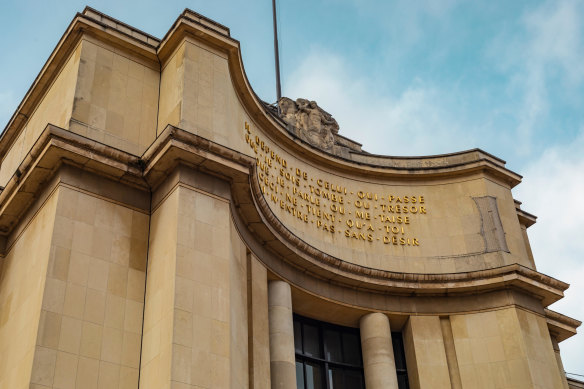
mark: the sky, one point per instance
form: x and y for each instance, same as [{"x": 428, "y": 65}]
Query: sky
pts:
[{"x": 402, "y": 78}]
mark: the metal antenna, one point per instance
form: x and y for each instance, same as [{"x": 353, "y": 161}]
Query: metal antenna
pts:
[{"x": 278, "y": 87}]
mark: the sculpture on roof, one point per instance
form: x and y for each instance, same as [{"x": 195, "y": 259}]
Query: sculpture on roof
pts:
[{"x": 315, "y": 125}]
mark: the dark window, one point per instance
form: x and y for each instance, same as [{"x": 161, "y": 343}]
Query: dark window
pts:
[
  {"x": 400, "y": 360},
  {"x": 329, "y": 356}
]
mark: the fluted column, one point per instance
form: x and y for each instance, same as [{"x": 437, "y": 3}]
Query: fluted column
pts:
[
  {"x": 282, "y": 361},
  {"x": 378, "y": 359}
]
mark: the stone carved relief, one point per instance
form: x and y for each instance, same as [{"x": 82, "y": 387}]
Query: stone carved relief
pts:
[{"x": 314, "y": 124}]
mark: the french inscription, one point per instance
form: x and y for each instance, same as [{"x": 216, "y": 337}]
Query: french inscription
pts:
[{"x": 357, "y": 214}]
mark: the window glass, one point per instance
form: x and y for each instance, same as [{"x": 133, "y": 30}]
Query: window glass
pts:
[
  {"x": 354, "y": 379},
  {"x": 299, "y": 375},
  {"x": 332, "y": 346},
  {"x": 400, "y": 360},
  {"x": 342, "y": 378},
  {"x": 297, "y": 338},
  {"x": 402, "y": 381},
  {"x": 352, "y": 349},
  {"x": 336, "y": 380},
  {"x": 314, "y": 376},
  {"x": 311, "y": 340},
  {"x": 398, "y": 351}
]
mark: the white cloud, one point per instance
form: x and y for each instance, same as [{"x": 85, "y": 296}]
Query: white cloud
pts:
[
  {"x": 556, "y": 29},
  {"x": 546, "y": 50},
  {"x": 553, "y": 189},
  {"x": 414, "y": 122}
]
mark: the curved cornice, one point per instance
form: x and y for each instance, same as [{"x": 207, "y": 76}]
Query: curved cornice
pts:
[
  {"x": 304, "y": 256},
  {"x": 174, "y": 146},
  {"x": 191, "y": 25},
  {"x": 307, "y": 269},
  {"x": 459, "y": 163}
]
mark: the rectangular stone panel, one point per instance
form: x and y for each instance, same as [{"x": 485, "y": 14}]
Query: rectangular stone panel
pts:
[{"x": 91, "y": 318}]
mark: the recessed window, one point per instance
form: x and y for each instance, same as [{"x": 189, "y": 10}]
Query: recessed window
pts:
[
  {"x": 400, "y": 360},
  {"x": 329, "y": 356}
]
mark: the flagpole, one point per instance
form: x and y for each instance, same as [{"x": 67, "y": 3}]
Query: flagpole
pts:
[{"x": 278, "y": 87}]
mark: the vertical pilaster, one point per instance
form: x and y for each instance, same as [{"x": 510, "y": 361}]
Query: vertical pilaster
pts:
[
  {"x": 378, "y": 359},
  {"x": 258, "y": 327},
  {"x": 282, "y": 360},
  {"x": 425, "y": 354},
  {"x": 508, "y": 347},
  {"x": 195, "y": 324},
  {"x": 450, "y": 350},
  {"x": 556, "y": 347}
]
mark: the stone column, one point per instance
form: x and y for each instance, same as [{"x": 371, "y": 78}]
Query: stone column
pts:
[
  {"x": 282, "y": 360},
  {"x": 378, "y": 359}
]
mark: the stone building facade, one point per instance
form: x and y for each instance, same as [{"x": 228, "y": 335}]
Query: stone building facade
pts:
[{"x": 162, "y": 227}]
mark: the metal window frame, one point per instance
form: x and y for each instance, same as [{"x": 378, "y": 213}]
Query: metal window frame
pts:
[
  {"x": 326, "y": 364},
  {"x": 323, "y": 362}
]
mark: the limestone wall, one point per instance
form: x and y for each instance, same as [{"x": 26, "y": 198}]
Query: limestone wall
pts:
[
  {"x": 198, "y": 95},
  {"x": 116, "y": 97},
  {"x": 22, "y": 285},
  {"x": 259, "y": 342},
  {"x": 54, "y": 108},
  {"x": 510, "y": 348},
  {"x": 91, "y": 319},
  {"x": 195, "y": 328}
]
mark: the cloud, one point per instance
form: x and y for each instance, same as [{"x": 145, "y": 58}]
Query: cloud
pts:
[
  {"x": 395, "y": 125},
  {"x": 545, "y": 49},
  {"x": 555, "y": 29},
  {"x": 552, "y": 189}
]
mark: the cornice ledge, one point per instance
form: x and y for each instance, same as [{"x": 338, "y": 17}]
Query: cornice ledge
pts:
[
  {"x": 526, "y": 218},
  {"x": 54, "y": 147},
  {"x": 189, "y": 23},
  {"x": 560, "y": 325},
  {"x": 176, "y": 146},
  {"x": 387, "y": 166},
  {"x": 300, "y": 254}
]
